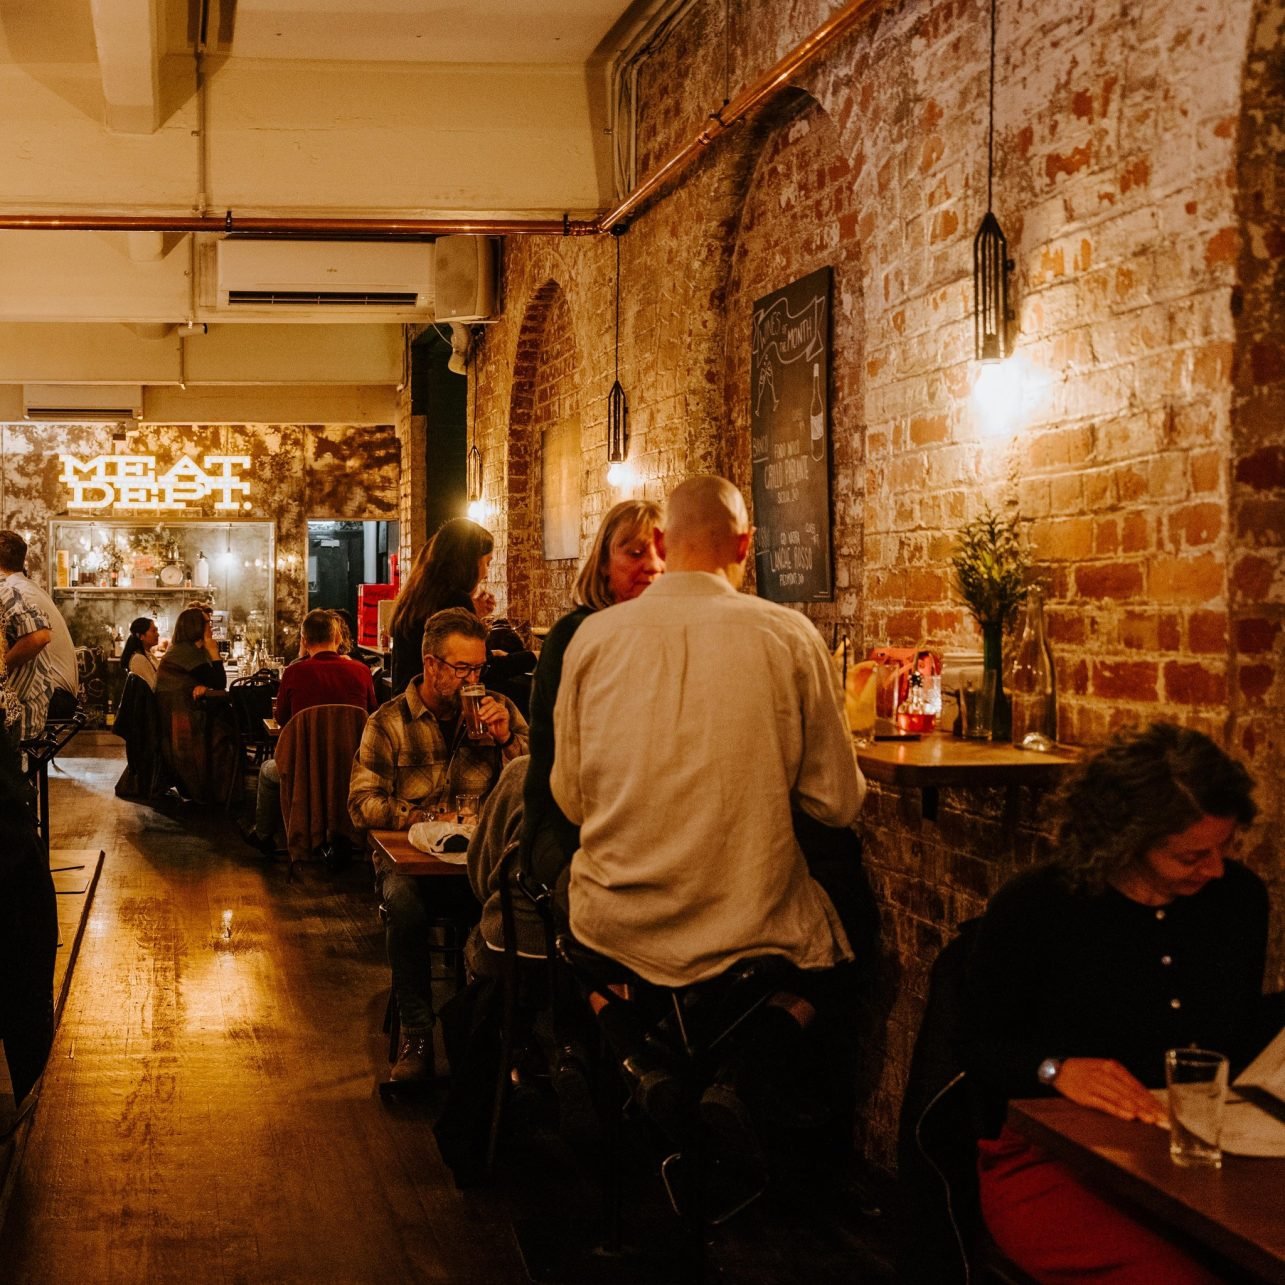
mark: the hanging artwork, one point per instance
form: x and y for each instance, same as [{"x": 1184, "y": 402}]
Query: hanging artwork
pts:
[{"x": 790, "y": 440}]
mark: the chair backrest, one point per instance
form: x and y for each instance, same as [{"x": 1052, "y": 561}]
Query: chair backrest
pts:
[
  {"x": 937, "y": 1140},
  {"x": 314, "y": 757}
]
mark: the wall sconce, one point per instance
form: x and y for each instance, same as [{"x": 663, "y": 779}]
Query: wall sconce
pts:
[
  {"x": 991, "y": 264},
  {"x": 617, "y": 405}
]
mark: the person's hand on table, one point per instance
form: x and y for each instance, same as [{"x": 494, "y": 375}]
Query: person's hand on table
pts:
[{"x": 1105, "y": 1085}]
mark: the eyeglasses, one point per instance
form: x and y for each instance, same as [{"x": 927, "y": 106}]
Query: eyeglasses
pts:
[{"x": 462, "y": 671}]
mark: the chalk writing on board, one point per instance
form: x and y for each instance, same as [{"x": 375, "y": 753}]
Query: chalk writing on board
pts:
[{"x": 790, "y": 440}]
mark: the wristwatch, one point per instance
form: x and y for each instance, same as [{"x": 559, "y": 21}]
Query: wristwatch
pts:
[{"x": 1048, "y": 1071}]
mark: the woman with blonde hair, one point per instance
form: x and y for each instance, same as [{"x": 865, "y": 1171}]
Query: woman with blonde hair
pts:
[
  {"x": 622, "y": 562},
  {"x": 446, "y": 573}
]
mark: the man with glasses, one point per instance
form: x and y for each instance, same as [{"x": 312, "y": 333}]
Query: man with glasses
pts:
[{"x": 416, "y": 756}]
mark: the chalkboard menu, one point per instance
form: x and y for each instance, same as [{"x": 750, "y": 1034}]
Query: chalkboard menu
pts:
[{"x": 790, "y": 440}]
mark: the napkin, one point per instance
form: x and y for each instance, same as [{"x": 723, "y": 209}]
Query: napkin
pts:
[{"x": 445, "y": 840}]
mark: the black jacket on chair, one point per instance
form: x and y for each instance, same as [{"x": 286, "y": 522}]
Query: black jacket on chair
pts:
[{"x": 138, "y": 724}]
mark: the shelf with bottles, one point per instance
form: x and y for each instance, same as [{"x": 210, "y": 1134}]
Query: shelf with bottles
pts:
[{"x": 154, "y": 569}]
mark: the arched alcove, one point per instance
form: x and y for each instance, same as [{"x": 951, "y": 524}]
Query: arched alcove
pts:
[
  {"x": 544, "y": 418},
  {"x": 788, "y": 228}
]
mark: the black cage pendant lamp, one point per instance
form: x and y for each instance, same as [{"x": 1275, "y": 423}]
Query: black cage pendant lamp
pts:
[
  {"x": 473, "y": 469},
  {"x": 617, "y": 406},
  {"x": 991, "y": 264}
]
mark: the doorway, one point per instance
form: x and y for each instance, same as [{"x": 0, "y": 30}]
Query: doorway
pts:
[{"x": 343, "y": 555}]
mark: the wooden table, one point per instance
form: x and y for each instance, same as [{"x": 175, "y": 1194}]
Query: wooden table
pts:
[
  {"x": 409, "y": 860},
  {"x": 939, "y": 759},
  {"x": 1237, "y": 1211}
]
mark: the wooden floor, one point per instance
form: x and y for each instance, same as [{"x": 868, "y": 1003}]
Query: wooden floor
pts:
[{"x": 210, "y": 1109}]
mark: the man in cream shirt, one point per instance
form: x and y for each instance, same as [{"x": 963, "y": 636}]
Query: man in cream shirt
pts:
[{"x": 688, "y": 723}]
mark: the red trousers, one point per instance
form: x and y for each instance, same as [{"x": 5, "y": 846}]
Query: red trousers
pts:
[{"x": 1061, "y": 1232}]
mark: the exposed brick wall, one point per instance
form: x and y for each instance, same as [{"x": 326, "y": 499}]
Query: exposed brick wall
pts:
[
  {"x": 1257, "y": 518},
  {"x": 1137, "y": 181}
]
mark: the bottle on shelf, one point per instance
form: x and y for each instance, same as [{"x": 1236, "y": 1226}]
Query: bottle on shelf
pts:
[
  {"x": 201, "y": 574},
  {"x": 75, "y": 570},
  {"x": 1033, "y": 685}
]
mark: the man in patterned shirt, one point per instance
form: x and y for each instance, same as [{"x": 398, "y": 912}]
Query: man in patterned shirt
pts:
[
  {"x": 415, "y": 757},
  {"x": 27, "y": 634}
]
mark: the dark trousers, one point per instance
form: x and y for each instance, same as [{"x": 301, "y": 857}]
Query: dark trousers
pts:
[
  {"x": 62, "y": 705},
  {"x": 28, "y": 947}
]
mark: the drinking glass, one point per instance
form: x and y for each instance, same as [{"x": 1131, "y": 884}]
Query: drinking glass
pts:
[
  {"x": 471, "y": 698},
  {"x": 466, "y": 807},
  {"x": 977, "y": 703},
  {"x": 859, "y": 699},
  {"x": 1197, "y": 1082}
]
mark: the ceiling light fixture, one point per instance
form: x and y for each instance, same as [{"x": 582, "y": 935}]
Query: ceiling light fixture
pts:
[{"x": 991, "y": 264}]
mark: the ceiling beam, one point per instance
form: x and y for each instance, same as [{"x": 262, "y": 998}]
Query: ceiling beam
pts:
[{"x": 127, "y": 33}]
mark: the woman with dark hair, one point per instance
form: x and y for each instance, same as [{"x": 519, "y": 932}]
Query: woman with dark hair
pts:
[
  {"x": 136, "y": 654},
  {"x": 446, "y": 574},
  {"x": 198, "y": 735},
  {"x": 1141, "y": 935}
]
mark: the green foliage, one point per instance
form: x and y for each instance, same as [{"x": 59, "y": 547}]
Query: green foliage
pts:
[{"x": 990, "y": 565}]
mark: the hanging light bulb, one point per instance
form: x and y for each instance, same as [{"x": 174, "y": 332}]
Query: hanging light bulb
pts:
[
  {"x": 991, "y": 264},
  {"x": 617, "y": 405},
  {"x": 477, "y": 506}
]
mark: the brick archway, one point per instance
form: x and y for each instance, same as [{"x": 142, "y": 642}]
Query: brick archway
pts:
[{"x": 544, "y": 391}]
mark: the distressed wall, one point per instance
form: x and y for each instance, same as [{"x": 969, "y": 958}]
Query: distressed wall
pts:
[
  {"x": 298, "y": 472},
  {"x": 1137, "y": 177}
]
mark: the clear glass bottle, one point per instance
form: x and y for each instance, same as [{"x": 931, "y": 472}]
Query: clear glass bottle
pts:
[{"x": 1033, "y": 683}]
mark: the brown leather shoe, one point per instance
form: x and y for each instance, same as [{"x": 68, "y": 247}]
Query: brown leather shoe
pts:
[{"x": 414, "y": 1058}]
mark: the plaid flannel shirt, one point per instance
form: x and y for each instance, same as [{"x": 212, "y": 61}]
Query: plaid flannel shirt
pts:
[{"x": 404, "y": 763}]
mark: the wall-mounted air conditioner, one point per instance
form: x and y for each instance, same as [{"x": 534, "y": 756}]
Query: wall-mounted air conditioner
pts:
[
  {"x": 379, "y": 280},
  {"x": 82, "y": 403}
]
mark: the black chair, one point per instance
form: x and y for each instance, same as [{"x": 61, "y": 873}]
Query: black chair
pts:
[
  {"x": 251, "y": 699},
  {"x": 943, "y": 1238},
  {"x": 39, "y": 752}
]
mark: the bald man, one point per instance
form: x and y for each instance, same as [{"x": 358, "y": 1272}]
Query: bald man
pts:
[{"x": 688, "y": 723}]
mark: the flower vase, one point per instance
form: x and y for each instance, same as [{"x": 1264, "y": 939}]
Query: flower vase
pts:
[{"x": 993, "y": 658}]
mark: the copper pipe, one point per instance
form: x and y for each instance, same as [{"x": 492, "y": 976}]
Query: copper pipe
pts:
[
  {"x": 406, "y": 229},
  {"x": 748, "y": 101}
]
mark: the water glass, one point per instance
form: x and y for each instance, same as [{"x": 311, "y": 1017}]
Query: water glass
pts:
[
  {"x": 977, "y": 703},
  {"x": 1197, "y": 1083},
  {"x": 466, "y": 807}
]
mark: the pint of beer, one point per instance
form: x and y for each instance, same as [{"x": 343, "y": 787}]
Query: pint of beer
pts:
[{"x": 471, "y": 698}]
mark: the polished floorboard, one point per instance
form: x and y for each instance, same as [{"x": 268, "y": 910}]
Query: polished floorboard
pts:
[{"x": 210, "y": 1111}]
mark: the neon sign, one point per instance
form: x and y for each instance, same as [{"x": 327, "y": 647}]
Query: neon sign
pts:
[{"x": 130, "y": 482}]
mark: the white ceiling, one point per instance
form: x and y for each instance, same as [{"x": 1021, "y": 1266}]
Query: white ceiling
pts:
[{"x": 312, "y": 108}]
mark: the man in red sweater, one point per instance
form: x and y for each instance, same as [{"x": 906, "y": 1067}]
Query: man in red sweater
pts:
[{"x": 321, "y": 676}]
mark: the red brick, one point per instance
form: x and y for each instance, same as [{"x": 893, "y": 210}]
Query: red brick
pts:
[
  {"x": 1169, "y": 632},
  {"x": 1070, "y": 163},
  {"x": 1207, "y": 469},
  {"x": 1107, "y": 536},
  {"x": 1263, "y": 469},
  {"x": 1140, "y": 631},
  {"x": 1191, "y": 683},
  {"x": 1222, "y": 247},
  {"x": 1187, "y": 579},
  {"x": 1252, "y": 577},
  {"x": 1195, "y": 524},
  {"x": 1255, "y": 634},
  {"x": 1260, "y": 522},
  {"x": 926, "y": 429},
  {"x": 1207, "y": 631},
  {"x": 1256, "y": 681},
  {"x": 1109, "y": 580},
  {"x": 1133, "y": 680}
]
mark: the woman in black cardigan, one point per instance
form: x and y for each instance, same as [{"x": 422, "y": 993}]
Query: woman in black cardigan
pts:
[{"x": 1142, "y": 935}]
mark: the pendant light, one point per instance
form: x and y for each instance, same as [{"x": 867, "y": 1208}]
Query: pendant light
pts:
[
  {"x": 991, "y": 264},
  {"x": 473, "y": 467},
  {"x": 617, "y": 406}
]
